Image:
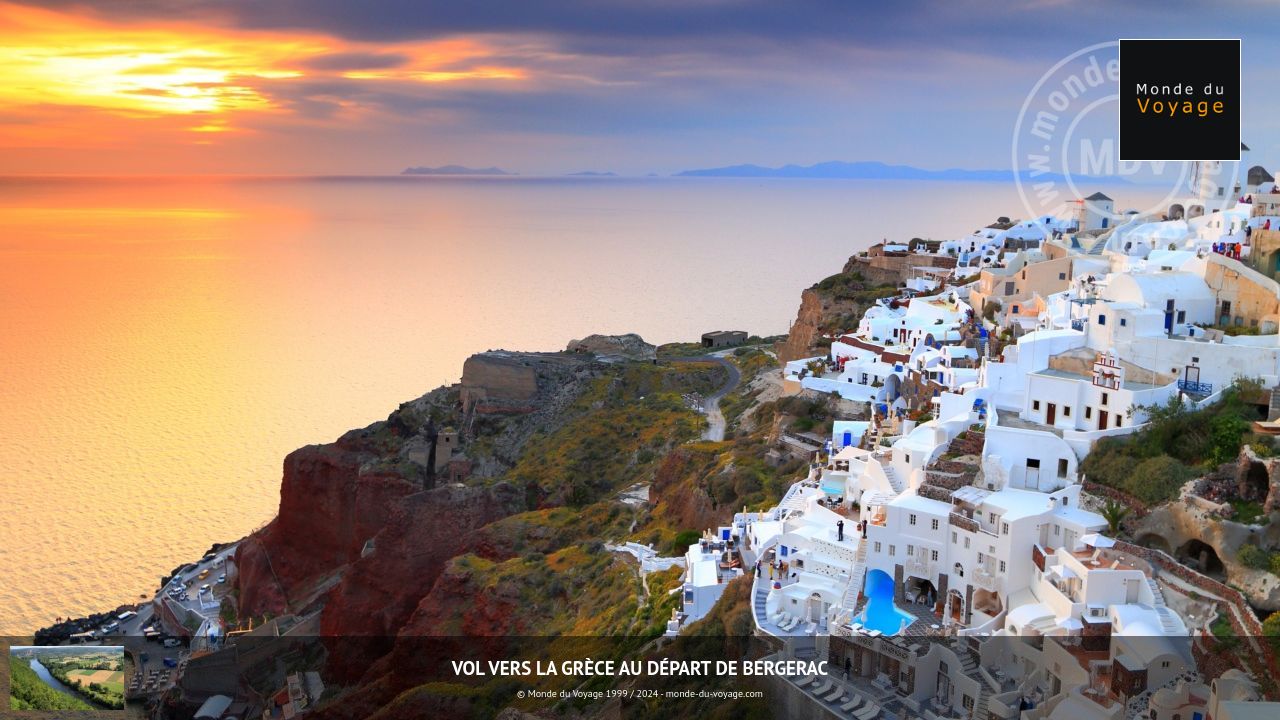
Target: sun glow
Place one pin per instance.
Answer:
(57, 62)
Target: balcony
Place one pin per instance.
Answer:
(1195, 388)
(986, 580)
(919, 566)
(964, 523)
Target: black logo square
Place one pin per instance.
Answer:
(1180, 99)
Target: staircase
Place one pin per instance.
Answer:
(894, 481)
(1155, 591)
(851, 591)
(1168, 622)
(980, 703)
(1099, 244)
(762, 615)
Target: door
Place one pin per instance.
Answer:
(1102, 419)
(1051, 414)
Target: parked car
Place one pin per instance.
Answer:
(170, 663)
(171, 642)
(222, 578)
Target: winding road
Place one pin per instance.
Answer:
(711, 403)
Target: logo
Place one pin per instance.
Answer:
(1180, 100)
(1066, 148)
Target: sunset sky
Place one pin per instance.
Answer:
(338, 86)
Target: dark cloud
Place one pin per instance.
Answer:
(632, 27)
(340, 62)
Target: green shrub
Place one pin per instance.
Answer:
(1157, 479)
(1254, 557)
(683, 540)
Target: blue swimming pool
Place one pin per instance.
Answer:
(833, 486)
(880, 613)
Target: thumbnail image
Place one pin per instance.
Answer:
(66, 678)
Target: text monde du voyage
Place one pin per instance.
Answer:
(1180, 99)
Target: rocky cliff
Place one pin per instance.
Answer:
(835, 305)
(392, 563)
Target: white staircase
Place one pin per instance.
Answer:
(1169, 622)
(849, 603)
(1156, 593)
(894, 481)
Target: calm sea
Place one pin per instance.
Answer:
(165, 342)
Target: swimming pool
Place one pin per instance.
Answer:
(880, 613)
(833, 486)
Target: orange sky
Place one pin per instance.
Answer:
(71, 83)
(552, 86)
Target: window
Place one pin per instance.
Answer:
(1102, 319)
(1062, 467)
(1002, 566)
(1182, 317)
(933, 555)
(966, 543)
(911, 551)
(1118, 419)
(1066, 411)
(953, 537)
(893, 550)
(877, 546)
(1033, 463)
(1124, 321)
(933, 524)
(912, 519)
(1004, 528)
(1062, 276)
(1015, 310)
(1105, 397)
(1008, 288)
(1057, 530)
(1088, 412)
(1035, 404)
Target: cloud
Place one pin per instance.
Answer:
(344, 61)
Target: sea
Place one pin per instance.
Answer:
(165, 342)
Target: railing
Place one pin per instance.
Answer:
(1196, 388)
(964, 523)
(986, 580)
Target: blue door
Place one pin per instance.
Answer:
(848, 438)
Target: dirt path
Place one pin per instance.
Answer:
(711, 403)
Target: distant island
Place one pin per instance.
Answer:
(453, 170)
(870, 170)
(591, 173)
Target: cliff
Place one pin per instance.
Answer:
(835, 305)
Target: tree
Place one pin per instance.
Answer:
(1115, 513)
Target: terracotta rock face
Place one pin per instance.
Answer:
(329, 507)
(379, 592)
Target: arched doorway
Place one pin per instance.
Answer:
(921, 591)
(1155, 541)
(955, 605)
(1176, 211)
(1201, 556)
(1255, 483)
(815, 609)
